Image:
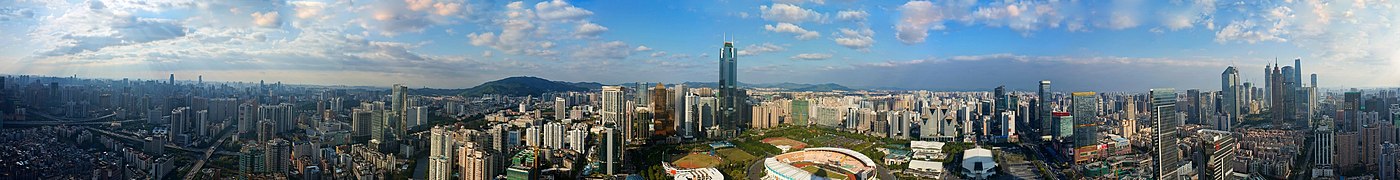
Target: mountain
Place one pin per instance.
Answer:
(521, 86)
(786, 86)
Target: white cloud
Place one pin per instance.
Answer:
(560, 10)
(852, 15)
(755, 49)
(266, 19)
(642, 49)
(800, 1)
(658, 54)
(916, 19)
(811, 56)
(802, 34)
(1245, 31)
(860, 39)
(308, 9)
(589, 30)
(788, 13)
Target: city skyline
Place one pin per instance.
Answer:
(1124, 45)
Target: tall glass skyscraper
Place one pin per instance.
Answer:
(1046, 124)
(1230, 92)
(1164, 115)
(1086, 108)
(728, 87)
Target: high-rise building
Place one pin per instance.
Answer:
(612, 150)
(614, 108)
(1216, 155)
(1047, 125)
(361, 120)
(398, 110)
(664, 123)
(1323, 148)
(729, 96)
(442, 149)
(475, 162)
(1085, 111)
(1166, 120)
(1230, 92)
(279, 155)
(280, 115)
(247, 120)
(252, 159)
(180, 118)
(561, 108)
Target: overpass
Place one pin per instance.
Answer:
(170, 146)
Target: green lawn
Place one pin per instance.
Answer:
(697, 160)
(736, 155)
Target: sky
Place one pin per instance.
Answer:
(1080, 45)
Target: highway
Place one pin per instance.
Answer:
(207, 153)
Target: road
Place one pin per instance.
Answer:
(208, 152)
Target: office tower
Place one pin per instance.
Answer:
(1064, 126)
(664, 121)
(1192, 106)
(172, 78)
(1164, 116)
(729, 96)
(1351, 106)
(642, 96)
(1230, 91)
(361, 121)
(1297, 73)
(1085, 111)
(399, 110)
(280, 115)
(279, 155)
(1323, 148)
(1276, 93)
(1217, 152)
(613, 105)
(1047, 125)
(612, 150)
(1268, 84)
(1314, 81)
(417, 115)
(561, 108)
(679, 106)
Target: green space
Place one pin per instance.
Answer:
(736, 155)
(697, 160)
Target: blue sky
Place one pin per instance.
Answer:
(1125, 45)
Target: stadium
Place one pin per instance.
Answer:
(819, 163)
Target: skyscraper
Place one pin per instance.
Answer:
(729, 97)
(663, 122)
(612, 150)
(1164, 114)
(1217, 152)
(398, 110)
(561, 108)
(1047, 125)
(1085, 111)
(1230, 91)
(1323, 148)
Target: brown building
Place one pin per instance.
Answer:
(1348, 151)
(664, 124)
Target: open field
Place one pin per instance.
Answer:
(697, 160)
(782, 141)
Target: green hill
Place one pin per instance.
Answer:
(521, 86)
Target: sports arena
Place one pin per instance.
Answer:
(819, 163)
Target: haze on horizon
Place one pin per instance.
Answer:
(961, 44)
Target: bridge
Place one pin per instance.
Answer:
(66, 121)
(171, 146)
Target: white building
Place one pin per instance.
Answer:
(978, 163)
